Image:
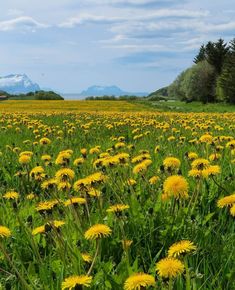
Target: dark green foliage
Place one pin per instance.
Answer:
(38, 95)
(199, 83)
(177, 89)
(161, 94)
(201, 55)
(226, 82)
(211, 79)
(214, 53)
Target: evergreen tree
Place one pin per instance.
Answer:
(215, 53)
(201, 55)
(226, 82)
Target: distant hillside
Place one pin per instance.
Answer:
(160, 94)
(17, 84)
(99, 91)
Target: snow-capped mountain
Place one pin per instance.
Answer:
(99, 91)
(17, 84)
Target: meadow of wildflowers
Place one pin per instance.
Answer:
(96, 198)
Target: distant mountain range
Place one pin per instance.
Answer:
(21, 84)
(99, 91)
(17, 84)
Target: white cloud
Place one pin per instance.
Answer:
(220, 27)
(21, 23)
(130, 15)
(88, 18)
(138, 47)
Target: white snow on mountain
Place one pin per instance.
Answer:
(17, 83)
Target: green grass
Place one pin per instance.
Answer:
(177, 106)
(44, 261)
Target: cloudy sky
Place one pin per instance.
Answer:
(139, 45)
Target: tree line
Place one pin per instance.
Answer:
(38, 95)
(211, 78)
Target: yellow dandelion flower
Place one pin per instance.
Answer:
(86, 257)
(65, 185)
(78, 161)
(75, 200)
(24, 159)
(231, 144)
(76, 281)
(139, 281)
(226, 201)
(142, 167)
(38, 230)
(171, 163)
(232, 210)
(212, 170)
(131, 182)
(11, 195)
(126, 244)
(63, 158)
(169, 267)
(28, 153)
(94, 192)
(206, 138)
(4, 232)
(46, 158)
(89, 181)
(176, 186)
(49, 184)
(153, 180)
(46, 205)
(214, 157)
(140, 158)
(30, 196)
(195, 173)
(94, 150)
(119, 145)
(37, 173)
(157, 149)
(181, 247)
(64, 174)
(52, 224)
(117, 208)
(83, 152)
(45, 141)
(200, 164)
(98, 231)
(192, 156)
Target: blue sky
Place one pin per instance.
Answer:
(139, 45)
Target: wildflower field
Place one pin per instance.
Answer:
(106, 195)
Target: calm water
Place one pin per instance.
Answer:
(72, 97)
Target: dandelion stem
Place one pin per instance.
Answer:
(221, 187)
(188, 284)
(95, 256)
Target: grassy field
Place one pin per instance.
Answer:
(107, 195)
(177, 106)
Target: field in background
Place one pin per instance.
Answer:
(70, 106)
(113, 106)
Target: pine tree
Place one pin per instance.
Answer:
(226, 81)
(216, 54)
(201, 55)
